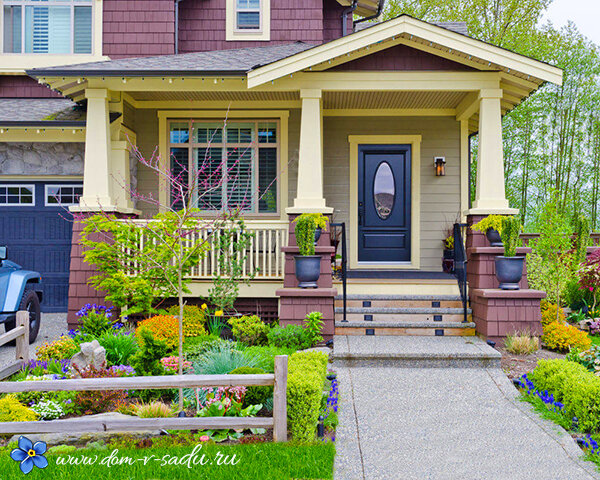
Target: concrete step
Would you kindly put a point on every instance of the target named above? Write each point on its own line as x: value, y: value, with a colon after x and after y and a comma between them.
x: 399, y: 303
x: 413, y: 351
x: 405, y: 328
x: 400, y: 317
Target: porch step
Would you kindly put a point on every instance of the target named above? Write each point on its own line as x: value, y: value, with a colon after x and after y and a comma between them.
x: 399, y: 301
x: 433, y: 329
x: 415, y: 314
x: 413, y: 352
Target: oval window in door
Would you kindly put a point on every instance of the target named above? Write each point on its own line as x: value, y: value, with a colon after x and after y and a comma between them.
x: 384, y: 190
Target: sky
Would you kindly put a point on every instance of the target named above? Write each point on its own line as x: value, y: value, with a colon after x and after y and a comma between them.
x: 585, y: 14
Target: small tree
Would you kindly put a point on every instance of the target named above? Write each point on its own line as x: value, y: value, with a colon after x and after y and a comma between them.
x: 551, y: 263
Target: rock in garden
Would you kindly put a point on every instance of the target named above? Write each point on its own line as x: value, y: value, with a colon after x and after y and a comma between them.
x: 92, y: 354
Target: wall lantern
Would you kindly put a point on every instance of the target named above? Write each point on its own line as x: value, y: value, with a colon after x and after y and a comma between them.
x: 440, y: 166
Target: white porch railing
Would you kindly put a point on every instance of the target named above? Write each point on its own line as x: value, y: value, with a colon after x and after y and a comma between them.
x: 263, y: 255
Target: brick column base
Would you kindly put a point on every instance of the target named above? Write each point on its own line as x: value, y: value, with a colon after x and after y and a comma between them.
x: 497, y: 313
x: 295, y: 303
x: 481, y: 266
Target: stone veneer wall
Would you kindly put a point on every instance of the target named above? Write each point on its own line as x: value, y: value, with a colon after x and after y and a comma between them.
x: 41, y: 158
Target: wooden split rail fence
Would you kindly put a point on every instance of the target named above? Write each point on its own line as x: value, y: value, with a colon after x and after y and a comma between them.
x: 21, y: 334
x: 278, y: 422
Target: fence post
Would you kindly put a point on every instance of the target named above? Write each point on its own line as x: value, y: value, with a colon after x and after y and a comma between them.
x: 280, y: 399
x: 22, y: 341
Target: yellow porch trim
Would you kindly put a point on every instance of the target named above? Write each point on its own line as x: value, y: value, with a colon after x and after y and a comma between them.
x: 282, y: 115
x: 43, y: 134
x: 464, y: 167
x: 17, y: 63
x: 411, y: 27
x: 415, y: 252
x: 43, y: 178
x: 389, y: 112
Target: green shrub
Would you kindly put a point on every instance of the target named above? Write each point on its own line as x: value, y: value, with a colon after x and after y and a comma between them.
x: 511, y: 228
x: 194, y: 347
x: 249, y: 329
x: 119, y: 347
x: 265, y: 355
x: 194, y: 320
x: 291, y: 336
x: 221, y: 359
x: 146, y: 361
x: 306, y: 377
x: 573, y: 385
x: 306, y: 224
x: 254, y: 395
x: 491, y: 221
x: 11, y: 410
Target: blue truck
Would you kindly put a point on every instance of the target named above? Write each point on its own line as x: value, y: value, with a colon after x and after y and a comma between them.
x: 19, y: 290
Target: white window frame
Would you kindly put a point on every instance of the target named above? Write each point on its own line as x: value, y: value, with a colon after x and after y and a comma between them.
x: 249, y: 10
x: 235, y: 34
x: 22, y: 185
x: 58, y: 3
x: 60, y: 185
x: 254, y: 145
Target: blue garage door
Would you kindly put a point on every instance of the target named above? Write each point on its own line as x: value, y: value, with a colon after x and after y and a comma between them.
x: 36, y: 227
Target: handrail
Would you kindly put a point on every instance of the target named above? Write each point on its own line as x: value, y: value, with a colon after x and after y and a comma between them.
x: 460, y: 266
x: 343, y: 275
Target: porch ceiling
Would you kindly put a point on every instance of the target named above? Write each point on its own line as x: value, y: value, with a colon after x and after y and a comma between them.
x: 211, y: 96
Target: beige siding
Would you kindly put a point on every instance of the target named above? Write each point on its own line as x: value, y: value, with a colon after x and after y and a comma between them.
x: 440, y: 196
x: 146, y: 129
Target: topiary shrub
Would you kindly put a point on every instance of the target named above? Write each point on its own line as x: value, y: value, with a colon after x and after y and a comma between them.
x: 563, y: 337
x: 265, y: 356
x: 194, y: 320
x: 254, y: 395
x: 60, y: 349
x: 250, y: 330
x: 306, y: 378
x: 551, y: 375
x: 11, y: 410
x: 162, y: 327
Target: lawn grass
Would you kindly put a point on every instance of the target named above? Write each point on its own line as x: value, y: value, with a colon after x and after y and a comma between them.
x: 261, y: 461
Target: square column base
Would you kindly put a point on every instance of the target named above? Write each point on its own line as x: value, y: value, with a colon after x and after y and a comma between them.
x: 296, y: 303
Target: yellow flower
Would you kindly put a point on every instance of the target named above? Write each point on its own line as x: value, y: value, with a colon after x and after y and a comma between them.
x: 204, y: 306
x: 219, y: 313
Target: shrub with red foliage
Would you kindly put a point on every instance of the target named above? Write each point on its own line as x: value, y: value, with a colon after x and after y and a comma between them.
x: 589, y: 276
x: 93, y: 402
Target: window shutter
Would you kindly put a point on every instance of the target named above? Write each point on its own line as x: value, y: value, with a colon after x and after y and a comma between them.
x: 82, y: 30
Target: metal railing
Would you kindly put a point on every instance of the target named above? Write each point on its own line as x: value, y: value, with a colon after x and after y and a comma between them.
x: 338, y: 240
x: 263, y: 257
x: 460, y: 266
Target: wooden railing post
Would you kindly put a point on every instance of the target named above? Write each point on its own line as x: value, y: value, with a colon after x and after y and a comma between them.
x: 22, y: 341
x: 280, y: 399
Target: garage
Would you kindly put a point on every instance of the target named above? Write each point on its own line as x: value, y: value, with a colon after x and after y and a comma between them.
x: 36, y: 227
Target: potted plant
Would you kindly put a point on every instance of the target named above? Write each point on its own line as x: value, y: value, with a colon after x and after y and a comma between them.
x: 448, y: 259
x: 491, y: 226
x: 509, y: 268
x: 320, y: 223
x: 308, y: 265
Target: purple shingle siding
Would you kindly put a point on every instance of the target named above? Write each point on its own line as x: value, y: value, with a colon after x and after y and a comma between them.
x: 136, y: 28
x: 21, y: 86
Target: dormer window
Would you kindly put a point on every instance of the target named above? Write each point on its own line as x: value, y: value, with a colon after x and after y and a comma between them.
x: 247, y: 15
x: 47, y: 26
x: 248, y: 20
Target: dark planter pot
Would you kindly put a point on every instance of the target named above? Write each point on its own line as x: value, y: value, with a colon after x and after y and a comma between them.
x: 509, y: 271
x: 317, y: 234
x: 448, y: 261
x: 308, y: 270
x: 494, y: 237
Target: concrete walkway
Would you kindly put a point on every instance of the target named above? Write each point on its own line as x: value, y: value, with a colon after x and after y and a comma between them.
x: 448, y: 422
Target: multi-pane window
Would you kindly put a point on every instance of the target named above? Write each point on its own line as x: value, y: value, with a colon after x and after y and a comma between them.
x: 47, y: 26
x: 15, y: 195
x: 247, y: 14
x: 63, y: 195
x: 225, y: 167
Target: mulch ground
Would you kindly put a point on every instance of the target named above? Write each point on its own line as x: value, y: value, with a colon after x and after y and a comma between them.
x: 516, y: 365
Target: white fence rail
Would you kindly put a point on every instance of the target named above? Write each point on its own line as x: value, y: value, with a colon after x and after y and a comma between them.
x: 263, y: 255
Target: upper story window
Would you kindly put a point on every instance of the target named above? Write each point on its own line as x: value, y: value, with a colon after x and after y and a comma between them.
x: 248, y: 20
x: 226, y: 167
x: 247, y: 14
x: 47, y: 26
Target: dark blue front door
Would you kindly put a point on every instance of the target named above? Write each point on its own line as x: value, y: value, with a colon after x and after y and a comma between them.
x: 384, y: 208
x: 36, y: 227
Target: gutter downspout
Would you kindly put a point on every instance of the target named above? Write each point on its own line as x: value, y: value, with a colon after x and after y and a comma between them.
x: 345, y: 14
x: 379, y: 10
x: 177, y: 2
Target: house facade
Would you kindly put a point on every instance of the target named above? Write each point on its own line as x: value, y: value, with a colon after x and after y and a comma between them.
x: 325, y: 116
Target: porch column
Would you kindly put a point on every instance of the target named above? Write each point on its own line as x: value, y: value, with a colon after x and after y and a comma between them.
x: 490, y: 196
x: 120, y: 180
x: 309, y: 194
x: 96, y: 172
